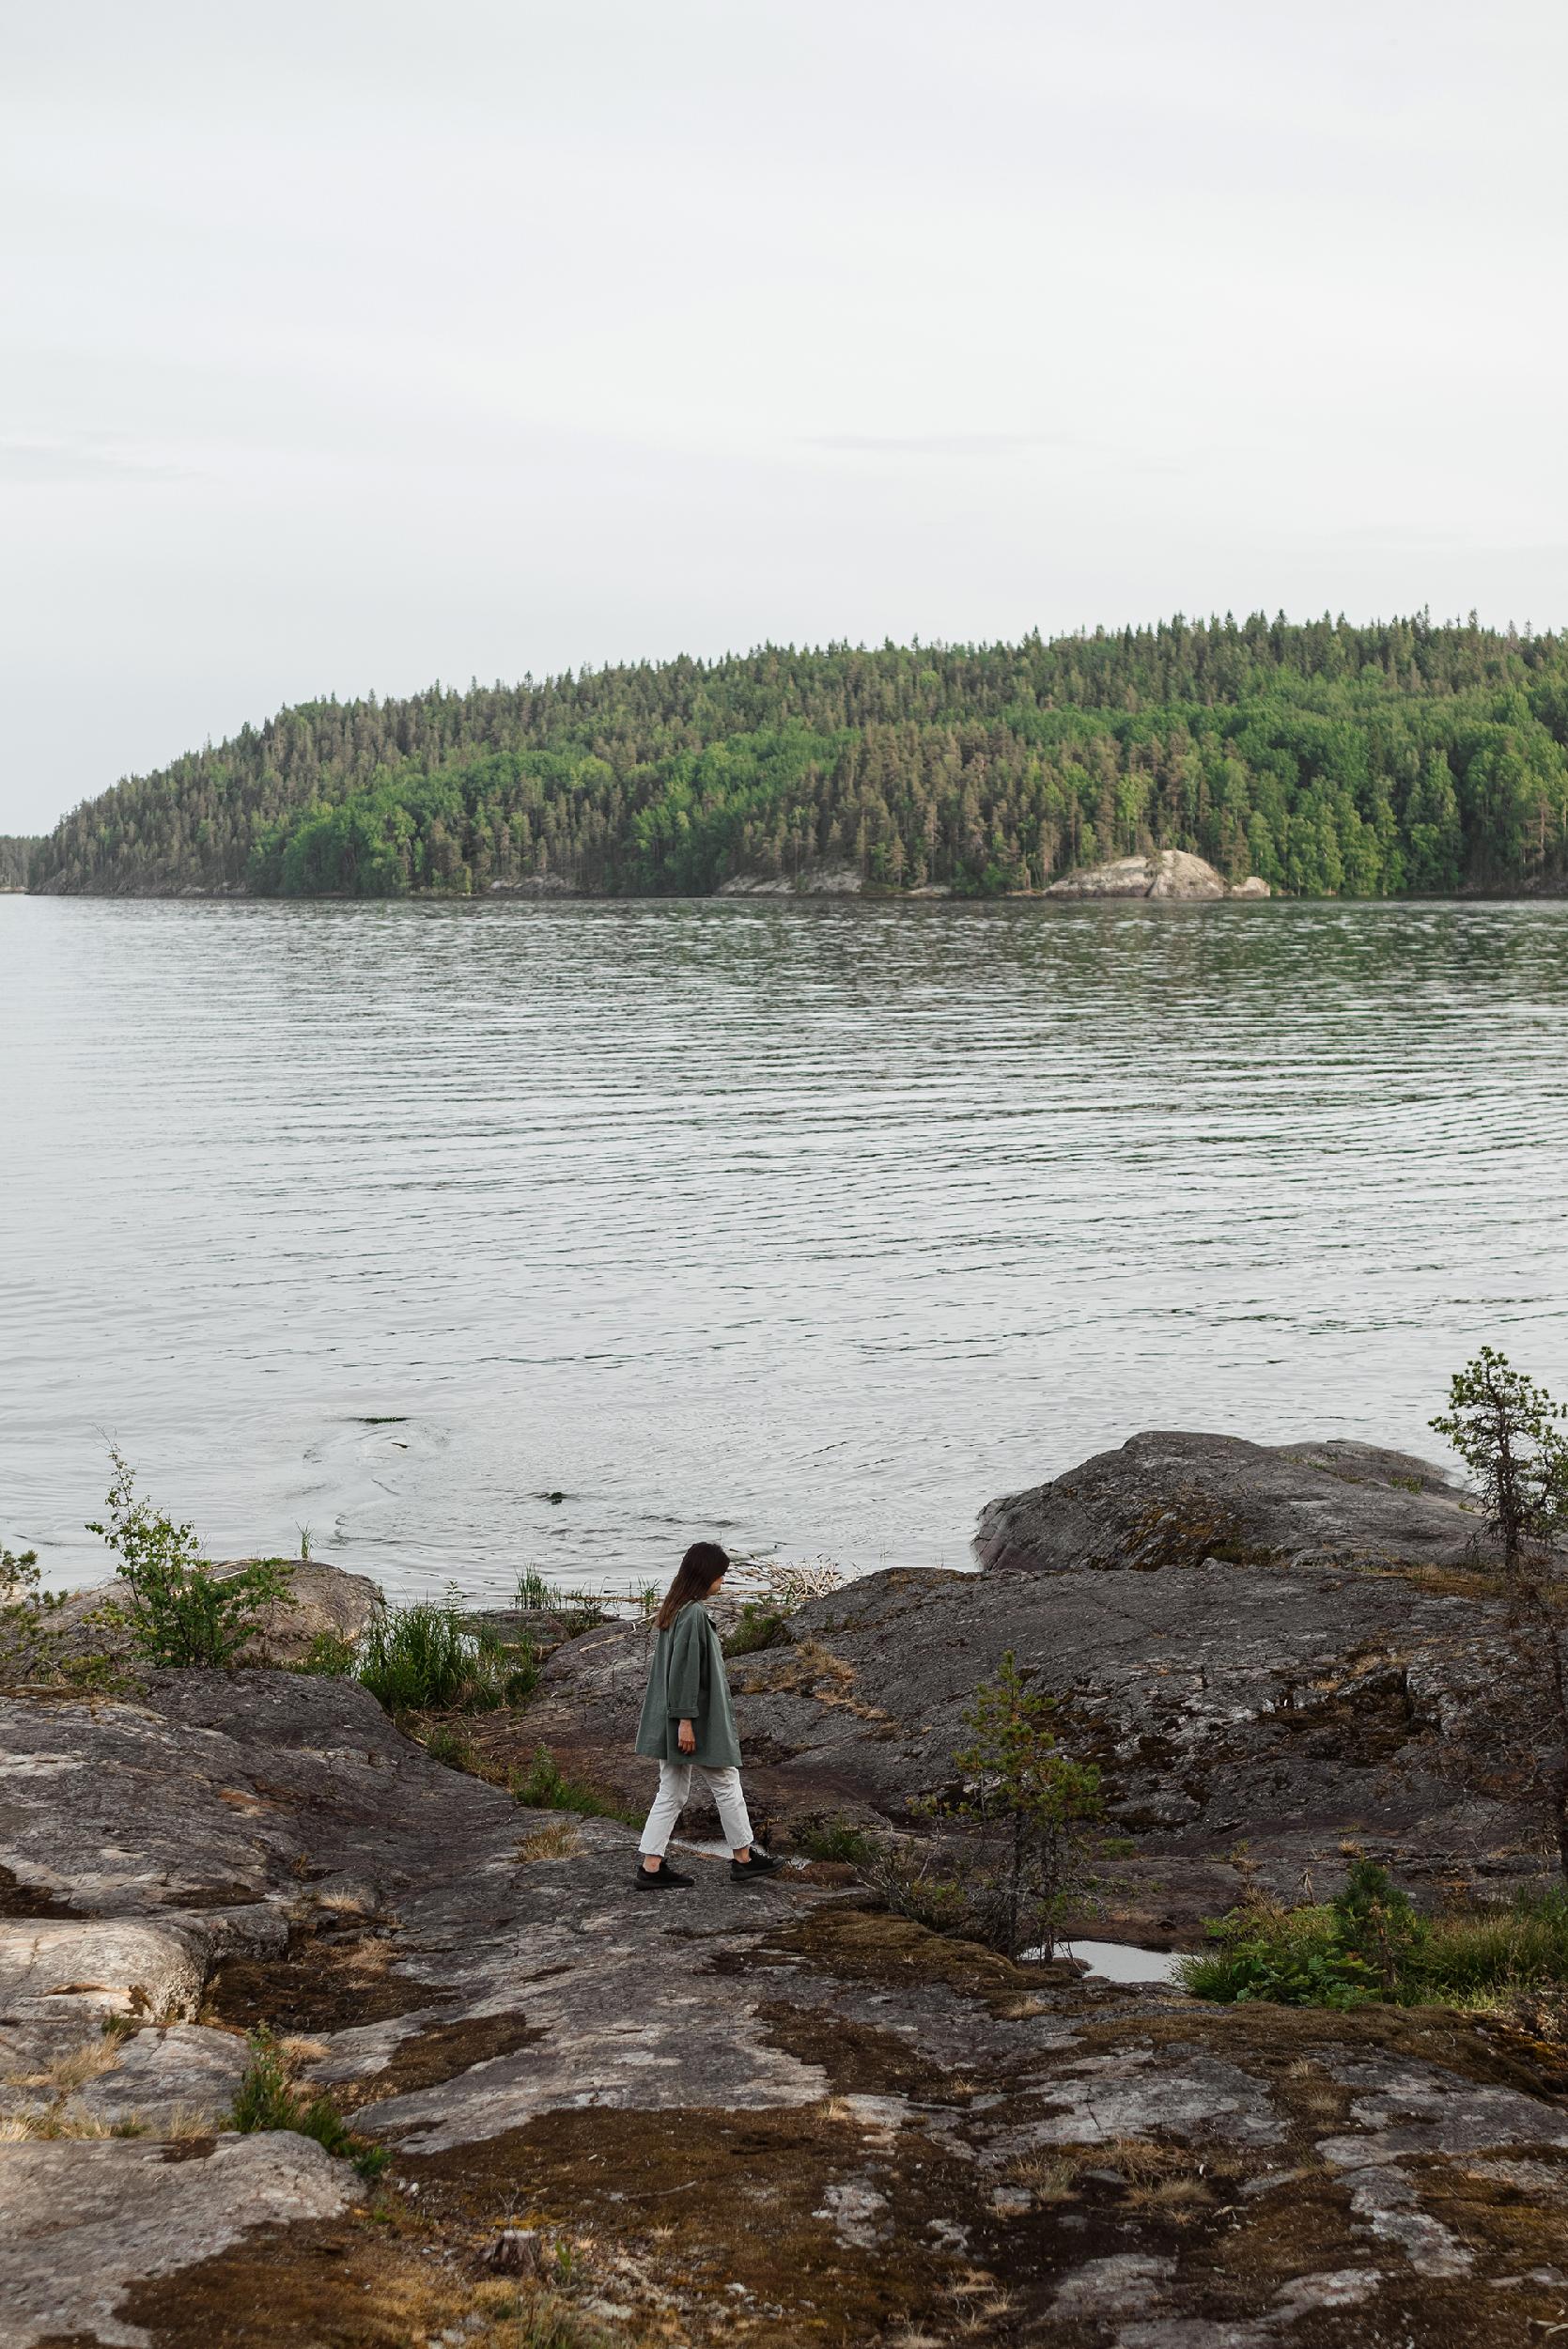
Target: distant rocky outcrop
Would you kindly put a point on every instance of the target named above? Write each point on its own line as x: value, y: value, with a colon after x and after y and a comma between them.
x: 814, y: 880
x: 1164, y: 873
x: 535, y: 885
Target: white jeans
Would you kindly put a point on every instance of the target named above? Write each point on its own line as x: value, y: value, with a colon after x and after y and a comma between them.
x: 674, y: 1784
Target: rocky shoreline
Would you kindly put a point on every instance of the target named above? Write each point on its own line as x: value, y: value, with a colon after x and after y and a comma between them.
x: 781, y: 2114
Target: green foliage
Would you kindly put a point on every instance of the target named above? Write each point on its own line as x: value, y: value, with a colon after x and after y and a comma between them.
x: 1397, y: 758
x: 1506, y: 1429
x: 838, y: 1839
x: 266, y: 2100
x: 762, y: 1623
x: 27, y: 1649
x: 1522, y: 1946
x: 1021, y: 1782
x: 16, y: 856
x: 177, y: 1610
x: 446, y: 1744
x: 1370, y: 1945
x: 426, y: 1659
x: 329, y: 1657
x: 544, y: 1787
x: 940, y: 1883
x: 579, y: 1611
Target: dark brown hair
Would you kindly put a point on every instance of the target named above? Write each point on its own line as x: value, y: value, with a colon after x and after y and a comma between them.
x: 701, y: 1567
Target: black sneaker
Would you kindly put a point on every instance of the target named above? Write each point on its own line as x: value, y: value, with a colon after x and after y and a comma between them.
x: 747, y: 1871
x: 661, y: 1879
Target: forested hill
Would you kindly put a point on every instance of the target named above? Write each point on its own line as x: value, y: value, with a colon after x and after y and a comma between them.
x: 16, y: 854
x: 1383, y: 760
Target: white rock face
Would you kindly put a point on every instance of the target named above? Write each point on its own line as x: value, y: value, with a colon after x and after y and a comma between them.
x: 1172, y: 873
x: 822, y: 880
x: 59, y: 1967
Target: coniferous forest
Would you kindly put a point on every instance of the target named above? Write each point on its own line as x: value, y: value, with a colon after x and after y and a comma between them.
x: 16, y: 855
x: 1403, y: 758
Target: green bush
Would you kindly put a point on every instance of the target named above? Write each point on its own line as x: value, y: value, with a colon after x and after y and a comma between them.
x: 1032, y: 1801
x: 265, y: 2100
x: 1522, y: 1946
x: 177, y: 1610
x: 762, y: 1623
x: 329, y: 1657
x: 426, y: 1658
x: 26, y: 1646
x: 544, y: 1787
x: 580, y: 1614
x: 939, y: 1885
x: 445, y: 1744
x: 1371, y: 1944
x: 578, y: 1611
x: 837, y: 1839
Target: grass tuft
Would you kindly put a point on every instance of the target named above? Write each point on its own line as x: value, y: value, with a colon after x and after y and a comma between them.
x: 427, y: 1659
x: 267, y: 2099
x: 543, y: 1786
x: 762, y: 1623
x: 1371, y: 1945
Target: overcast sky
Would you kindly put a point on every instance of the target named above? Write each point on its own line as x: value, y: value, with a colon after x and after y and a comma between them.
x: 350, y: 346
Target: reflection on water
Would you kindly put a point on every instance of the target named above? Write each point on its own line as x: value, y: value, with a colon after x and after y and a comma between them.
x: 806, y: 1225
x: 1119, y: 1961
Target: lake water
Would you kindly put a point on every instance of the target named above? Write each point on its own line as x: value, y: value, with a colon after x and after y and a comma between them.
x: 812, y: 1226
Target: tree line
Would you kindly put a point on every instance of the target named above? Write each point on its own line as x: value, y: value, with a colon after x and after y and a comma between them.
x: 1399, y: 758
x: 16, y: 857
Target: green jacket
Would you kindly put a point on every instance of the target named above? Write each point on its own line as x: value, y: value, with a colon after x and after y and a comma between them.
x: 687, y: 1683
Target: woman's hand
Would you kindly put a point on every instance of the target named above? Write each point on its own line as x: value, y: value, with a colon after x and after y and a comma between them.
x: 686, y: 1737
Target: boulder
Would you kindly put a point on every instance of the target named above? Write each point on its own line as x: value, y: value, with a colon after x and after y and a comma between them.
x: 324, y: 1599
x: 1163, y: 873
x: 1170, y: 1498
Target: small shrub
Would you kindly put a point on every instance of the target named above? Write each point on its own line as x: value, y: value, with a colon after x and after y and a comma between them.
x: 1033, y: 1802
x: 445, y: 1744
x: 426, y: 1658
x: 1371, y: 1944
x: 177, y: 1610
x: 578, y: 1611
x: 934, y: 1884
x: 1295, y: 1957
x: 837, y: 1839
x: 761, y: 1625
x: 1508, y: 1432
x: 266, y: 2100
x: 26, y: 1646
x: 329, y: 1657
x: 544, y: 1787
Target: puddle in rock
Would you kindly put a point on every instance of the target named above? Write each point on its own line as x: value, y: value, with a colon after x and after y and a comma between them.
x: 1119, y: 1961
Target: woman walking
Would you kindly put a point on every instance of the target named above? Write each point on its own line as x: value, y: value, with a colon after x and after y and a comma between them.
x: 688, y: 1724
